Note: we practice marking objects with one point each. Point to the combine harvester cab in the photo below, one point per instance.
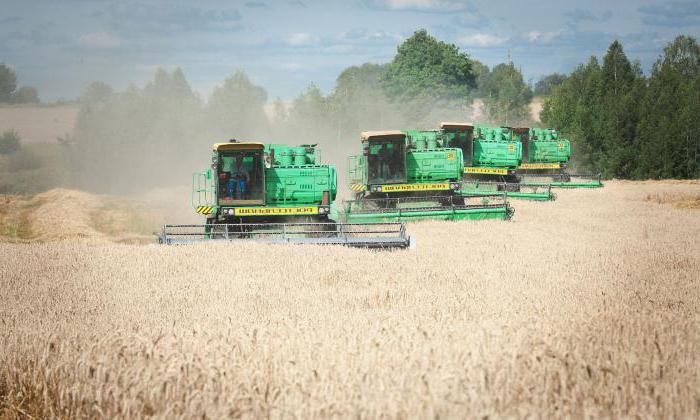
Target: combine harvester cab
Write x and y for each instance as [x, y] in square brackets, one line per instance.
[412, 175]
[491, 157]
[545, 159]
[276, 194]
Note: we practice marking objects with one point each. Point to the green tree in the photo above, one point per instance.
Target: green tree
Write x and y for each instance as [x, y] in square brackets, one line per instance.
[546, 84]
[309, 116]
[506, 95]
[576, 108]
[623, 89]
[669, 130]
[8, 83]
[236, 109]
[598, 107]
[481, 76]
[358, 100]
[427, 68]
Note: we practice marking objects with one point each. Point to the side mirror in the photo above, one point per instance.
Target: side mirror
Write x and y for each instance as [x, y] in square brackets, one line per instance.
[207, 174]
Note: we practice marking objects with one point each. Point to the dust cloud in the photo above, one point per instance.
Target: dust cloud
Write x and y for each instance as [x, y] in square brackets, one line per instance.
[156, 137]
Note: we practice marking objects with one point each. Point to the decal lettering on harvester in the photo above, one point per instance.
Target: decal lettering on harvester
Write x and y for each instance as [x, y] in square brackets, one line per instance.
[540, 166]
[414, 187]
[490, 171]
[273, 211]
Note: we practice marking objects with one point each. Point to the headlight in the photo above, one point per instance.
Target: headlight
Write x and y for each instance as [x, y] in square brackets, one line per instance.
[321, 210]
[454, 186]
[230, 212]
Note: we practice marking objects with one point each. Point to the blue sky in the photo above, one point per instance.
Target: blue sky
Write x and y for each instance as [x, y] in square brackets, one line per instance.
[60, 46]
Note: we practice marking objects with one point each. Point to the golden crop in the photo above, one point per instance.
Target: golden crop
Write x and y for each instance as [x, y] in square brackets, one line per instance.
[587, 306]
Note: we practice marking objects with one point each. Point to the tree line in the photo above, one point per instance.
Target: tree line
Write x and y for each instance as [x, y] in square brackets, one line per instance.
[629, 125]
[620, 121]
[158, 134]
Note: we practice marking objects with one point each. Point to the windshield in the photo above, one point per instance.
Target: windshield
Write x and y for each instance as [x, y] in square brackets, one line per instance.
[241, 178]
[386, 161]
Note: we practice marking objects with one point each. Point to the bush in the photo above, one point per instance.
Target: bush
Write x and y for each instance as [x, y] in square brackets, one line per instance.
[9, 142]
[26, 95]
[8, 83]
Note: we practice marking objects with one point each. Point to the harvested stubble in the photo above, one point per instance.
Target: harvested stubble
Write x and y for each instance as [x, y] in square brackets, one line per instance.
[585, 306]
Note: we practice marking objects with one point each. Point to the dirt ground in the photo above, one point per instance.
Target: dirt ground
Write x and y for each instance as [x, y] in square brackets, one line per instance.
[586, 306]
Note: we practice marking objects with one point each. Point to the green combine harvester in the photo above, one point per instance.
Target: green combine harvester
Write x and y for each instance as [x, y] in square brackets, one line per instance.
[546, 156]
[277, 194]
[414, 175]
[492, 156]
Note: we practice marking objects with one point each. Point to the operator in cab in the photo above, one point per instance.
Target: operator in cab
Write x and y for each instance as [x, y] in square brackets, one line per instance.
[238, 181]
[384, 162]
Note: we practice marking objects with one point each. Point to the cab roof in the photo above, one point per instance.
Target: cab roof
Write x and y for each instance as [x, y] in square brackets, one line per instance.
[456, 125]
[381, 135]
[242, 145]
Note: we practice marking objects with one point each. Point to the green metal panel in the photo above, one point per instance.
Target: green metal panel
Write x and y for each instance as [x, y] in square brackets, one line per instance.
[496, 154]
[496, 147]
[298, 184]
[546, 146]
[434, 165]
[426, 139]
[426, 160]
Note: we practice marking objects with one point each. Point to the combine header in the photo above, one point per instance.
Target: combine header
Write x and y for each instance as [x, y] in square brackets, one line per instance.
[545, 159]
[413, 175]
[276, 194]
[365, 235]
[492, 156]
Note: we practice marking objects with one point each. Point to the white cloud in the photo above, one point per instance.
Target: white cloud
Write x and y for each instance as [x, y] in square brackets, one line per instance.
[301, 39]
[100, 40]
[421, 5]
[292, 66]
[364, 35]
[482, 40]
[385, 35]
[542, 37]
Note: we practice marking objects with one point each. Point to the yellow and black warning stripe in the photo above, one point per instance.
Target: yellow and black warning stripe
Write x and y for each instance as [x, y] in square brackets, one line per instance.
[204, 209]
[358, 187]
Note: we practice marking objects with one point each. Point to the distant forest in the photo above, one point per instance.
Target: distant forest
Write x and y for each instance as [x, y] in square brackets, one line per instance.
[629, 125]
[621, 122]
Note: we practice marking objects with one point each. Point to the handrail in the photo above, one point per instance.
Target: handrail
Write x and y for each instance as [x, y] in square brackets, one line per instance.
[200, 187]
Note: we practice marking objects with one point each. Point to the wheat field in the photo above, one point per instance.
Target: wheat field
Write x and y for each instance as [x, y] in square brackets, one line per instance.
[584, 307]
